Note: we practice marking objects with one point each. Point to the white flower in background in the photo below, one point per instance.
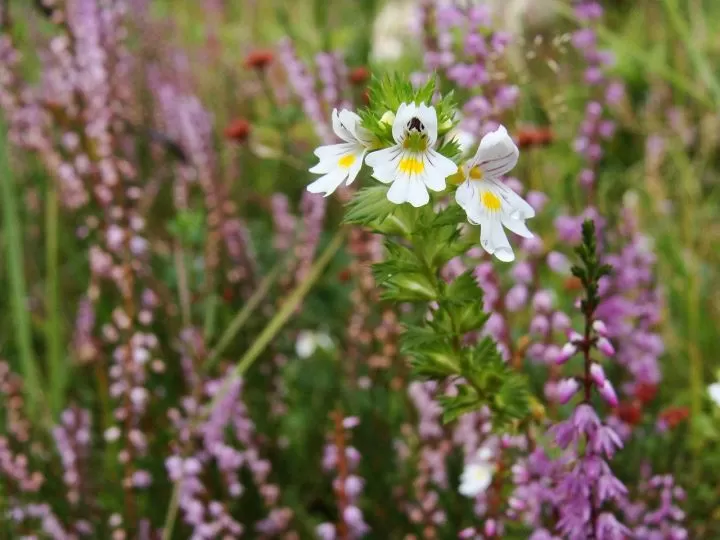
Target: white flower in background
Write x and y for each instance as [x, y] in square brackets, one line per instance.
[714, 391]
[340, 162]
[308, 342]
[411, 165]
[392, 29]
[490, 203]
[477, 475]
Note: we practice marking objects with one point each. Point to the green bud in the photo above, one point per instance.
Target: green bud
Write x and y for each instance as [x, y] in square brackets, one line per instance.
[388, 118]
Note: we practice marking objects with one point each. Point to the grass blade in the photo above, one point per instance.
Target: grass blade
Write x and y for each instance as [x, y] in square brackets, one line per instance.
[18, 289]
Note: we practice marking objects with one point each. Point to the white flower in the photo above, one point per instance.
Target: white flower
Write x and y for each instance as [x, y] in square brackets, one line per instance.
[714, 391]
[308, 342]
[340, 162]
[490, 203]
[477, 476]
[392, 29]
[411, 165]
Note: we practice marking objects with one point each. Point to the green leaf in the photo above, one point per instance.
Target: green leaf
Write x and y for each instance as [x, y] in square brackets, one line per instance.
[466, 401]
[409, 287]
[436, 361]
[369, 205]
[464, 289]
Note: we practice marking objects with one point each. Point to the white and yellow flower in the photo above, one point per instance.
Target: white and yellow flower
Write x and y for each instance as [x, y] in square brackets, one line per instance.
[340, 162]
[412, 166]
[477, 475]
[490, 203]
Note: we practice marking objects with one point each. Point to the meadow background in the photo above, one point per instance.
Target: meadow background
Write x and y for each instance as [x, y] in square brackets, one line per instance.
[156, 238]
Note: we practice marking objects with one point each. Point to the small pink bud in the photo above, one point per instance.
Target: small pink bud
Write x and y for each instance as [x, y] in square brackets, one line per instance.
[350, 422]
[597, 374]
[566, 353]
[608, 394]
[605, 347]
[600, 328]
[575, 337]
[566, 389]
[490, 528]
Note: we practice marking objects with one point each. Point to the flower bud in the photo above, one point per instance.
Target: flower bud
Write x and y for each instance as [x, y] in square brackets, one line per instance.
[566, 353]
[597, 375]
[566, 389]
[387, 118]
[608, 394]
[600, 328]
[605, 347]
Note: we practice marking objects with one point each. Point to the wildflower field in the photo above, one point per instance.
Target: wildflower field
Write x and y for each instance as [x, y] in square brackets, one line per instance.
[380, 269]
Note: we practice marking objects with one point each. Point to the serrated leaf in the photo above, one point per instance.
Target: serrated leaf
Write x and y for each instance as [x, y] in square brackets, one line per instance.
[368, 205]
[409, 287]
[415, 339]
[464, 289]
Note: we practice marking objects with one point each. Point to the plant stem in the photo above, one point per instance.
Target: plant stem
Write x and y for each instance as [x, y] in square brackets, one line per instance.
[57, 372]
[18, 289]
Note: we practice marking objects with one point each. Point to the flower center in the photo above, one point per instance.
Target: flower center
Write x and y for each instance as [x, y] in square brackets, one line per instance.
[476, 173]
[346, 161]
[490, 201]
[411, 165]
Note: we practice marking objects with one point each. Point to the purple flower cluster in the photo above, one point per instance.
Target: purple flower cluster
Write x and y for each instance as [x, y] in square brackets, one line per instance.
[664, 521]
[595, 127]
[461, 44]
[347, 485]
[304, 86]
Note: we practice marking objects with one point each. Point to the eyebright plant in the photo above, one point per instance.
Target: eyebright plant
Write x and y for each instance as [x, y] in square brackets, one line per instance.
[414, 153]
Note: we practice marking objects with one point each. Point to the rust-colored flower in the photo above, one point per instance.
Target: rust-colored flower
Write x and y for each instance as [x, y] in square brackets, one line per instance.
[645, 392]
[238, 130]
[573, 284]
[359, 75]
[673, 416]
[259, 59]
[630, 412]
[534, 136]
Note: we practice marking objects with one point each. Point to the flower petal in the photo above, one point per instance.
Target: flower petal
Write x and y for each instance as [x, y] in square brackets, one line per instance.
[428, 116]
[356, 166]
[497, 153]
[494, 240]
[437, 169]
[469, 200]
[384, 163]
[515, 206]
[517, 226]
[344, 124]
[398, 192]
[403, 115]
[417, 193]
[329, 183]
[333, 151]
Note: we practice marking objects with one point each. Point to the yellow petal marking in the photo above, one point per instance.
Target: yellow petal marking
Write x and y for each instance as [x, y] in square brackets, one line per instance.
[346, 161]
[476, 173]
[411, 165]
[490, 201]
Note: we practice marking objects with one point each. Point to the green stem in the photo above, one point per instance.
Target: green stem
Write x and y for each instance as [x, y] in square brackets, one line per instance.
[18, 289]
[243, 315]
[57, 371]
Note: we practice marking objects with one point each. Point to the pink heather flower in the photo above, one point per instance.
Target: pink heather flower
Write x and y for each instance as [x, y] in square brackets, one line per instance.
[597, 374]
[608, 394]
[606, 441]
[558, 262]
[542, 301]
[566, 353]
[605, 347]
[326, 531]
[560, 321]
[566, 389]
[516, 298]
[600, 328]
[351, 422]
[609, 528]
[491, 528]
